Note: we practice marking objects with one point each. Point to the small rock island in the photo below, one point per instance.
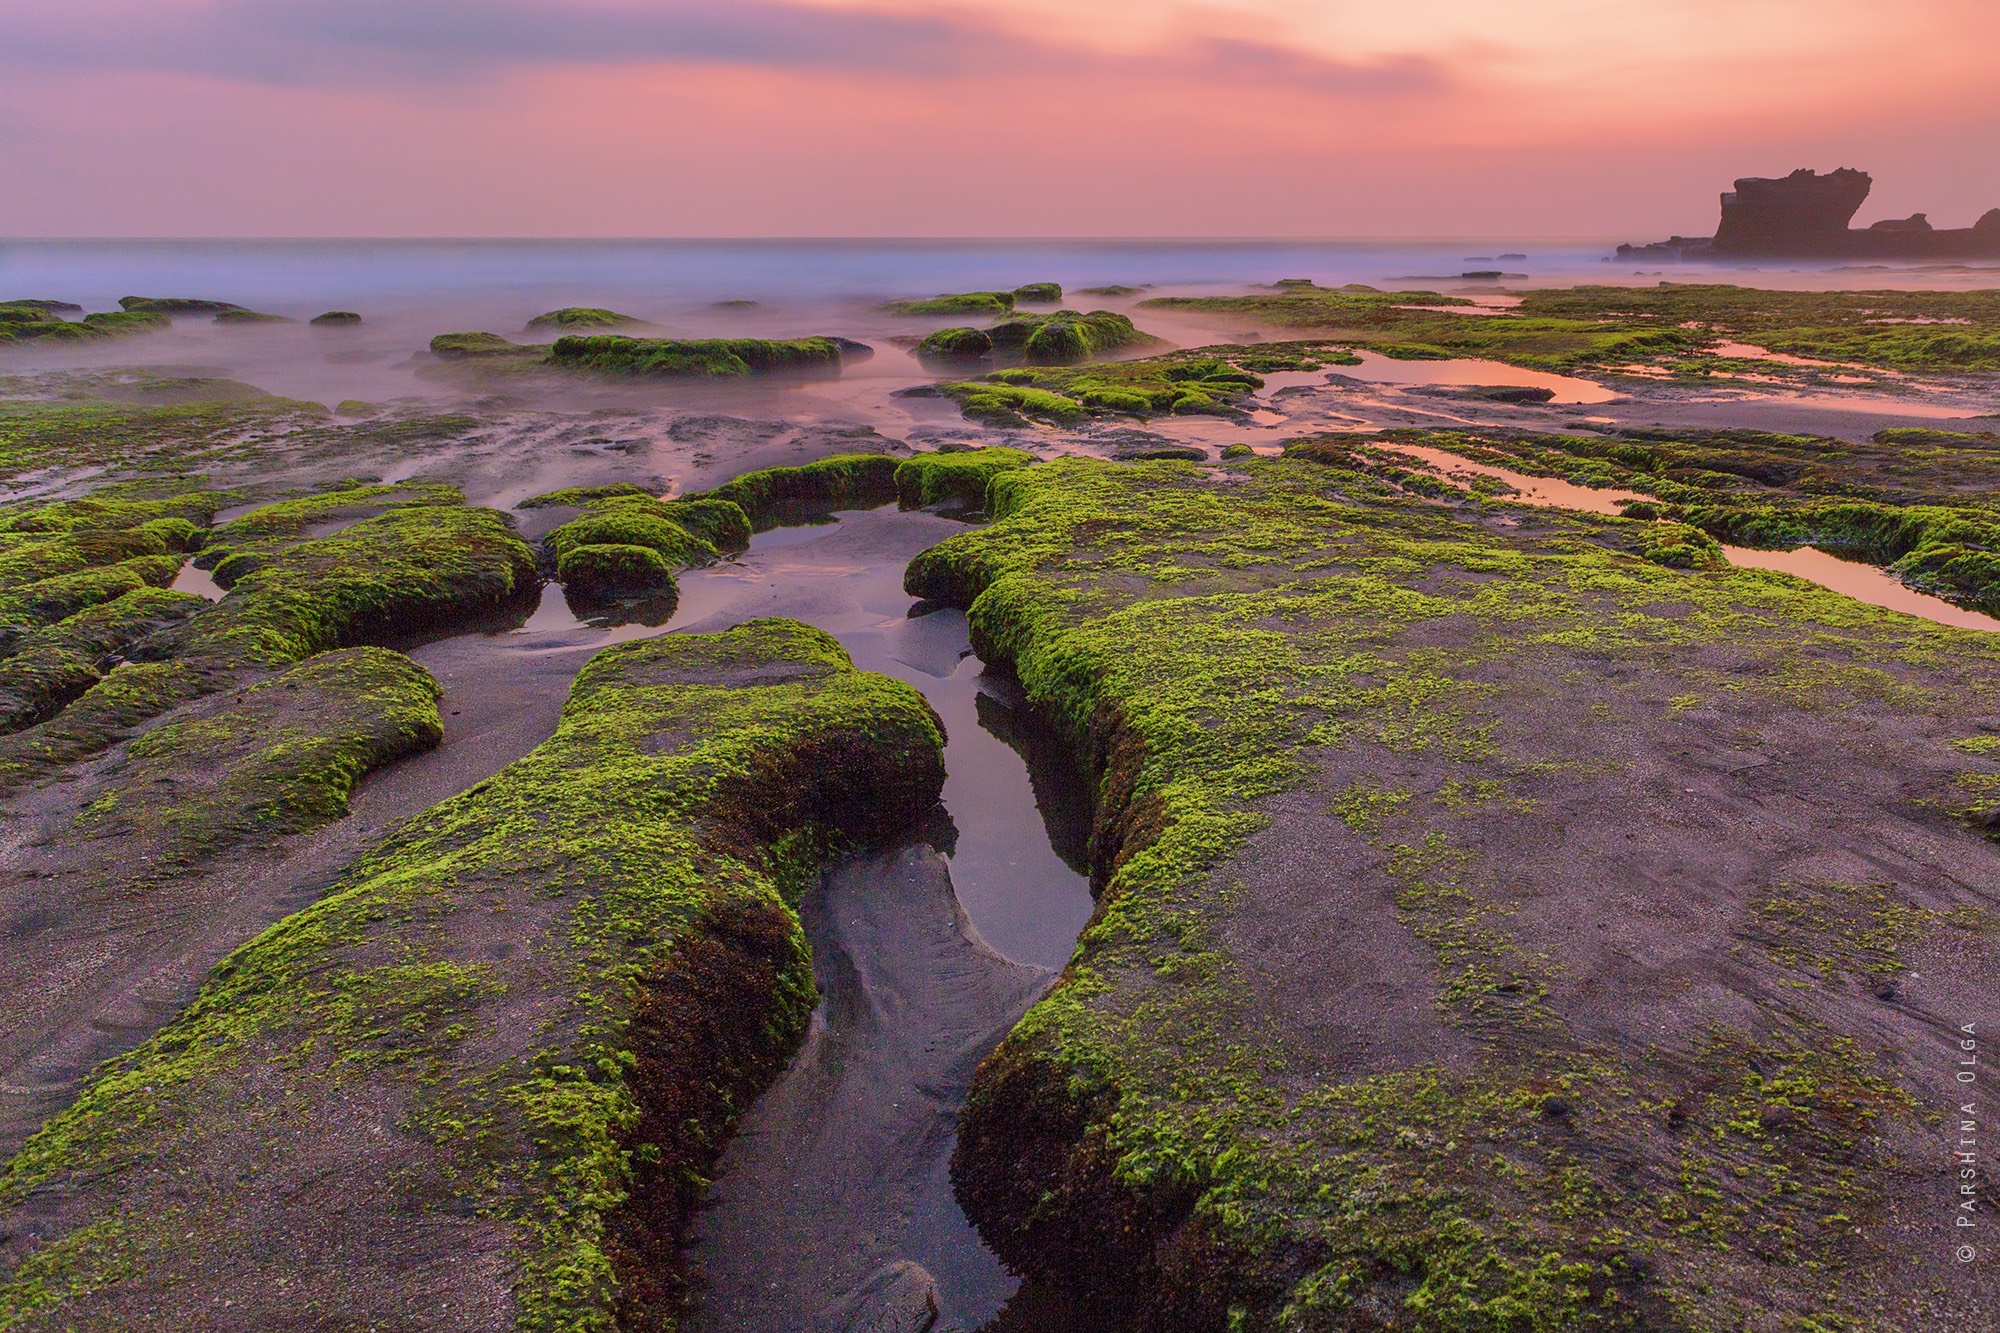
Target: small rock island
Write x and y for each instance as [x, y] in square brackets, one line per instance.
[1806, 216]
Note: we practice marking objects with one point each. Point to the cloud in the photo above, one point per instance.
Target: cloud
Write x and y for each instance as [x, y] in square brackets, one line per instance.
[348, 42]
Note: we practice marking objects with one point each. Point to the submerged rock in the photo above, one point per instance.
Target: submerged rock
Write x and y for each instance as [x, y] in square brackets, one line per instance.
[581, 317]
[900, 1298]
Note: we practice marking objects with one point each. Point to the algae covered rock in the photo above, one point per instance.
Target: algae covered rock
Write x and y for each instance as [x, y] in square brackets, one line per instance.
[694, 358]
[1039, 293]
[47, 667]
[464, 346]
[559, 1100]
[174, 305]
[1346, 744]
[1182, 383]
[784, 495]
[630, 523]
[960, 477]
[956, 344]
[336, 318]
[605, 572]
[580, 317]
[955, 303]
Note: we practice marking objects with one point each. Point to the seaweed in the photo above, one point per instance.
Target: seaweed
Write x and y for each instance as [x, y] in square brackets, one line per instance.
[959, 478]
[781, 496]
[581, 317]
[694, 358]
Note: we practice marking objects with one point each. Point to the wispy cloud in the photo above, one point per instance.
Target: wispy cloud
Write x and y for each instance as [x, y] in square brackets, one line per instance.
[345, 42]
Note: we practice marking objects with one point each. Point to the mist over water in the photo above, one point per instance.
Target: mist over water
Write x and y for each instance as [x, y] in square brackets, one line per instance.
[408, 291]
[656, 278]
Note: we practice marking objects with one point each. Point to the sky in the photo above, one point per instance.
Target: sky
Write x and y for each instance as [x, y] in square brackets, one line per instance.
[1075, 118]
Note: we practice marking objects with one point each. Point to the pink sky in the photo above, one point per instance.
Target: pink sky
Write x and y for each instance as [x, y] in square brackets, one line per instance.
[977, 117]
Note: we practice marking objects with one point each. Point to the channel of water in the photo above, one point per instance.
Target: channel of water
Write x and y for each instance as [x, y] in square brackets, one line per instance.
[833, 1202]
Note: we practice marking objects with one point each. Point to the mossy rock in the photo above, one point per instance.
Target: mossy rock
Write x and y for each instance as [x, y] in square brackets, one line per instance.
[956, 345]
[955, 303]
[772, 497]
[239, 316]
[174, 305]
[565, 1094]
[694, 358]
[1310, 701]
[466, 346]
[47, 667]
[960, 478]
[1039, 293]
[1177, 383]
[580, 317]
[720, 523]
[336, 318]
[606, 572]
[632, 523]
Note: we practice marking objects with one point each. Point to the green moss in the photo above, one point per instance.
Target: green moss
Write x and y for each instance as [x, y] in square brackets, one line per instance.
[467, 346]
[1184, 383]
[58, 559]
[413, 569]
[580, 317]
[720, 523]
[959, 478]
[1012, 405]
[568, 1091]
[281, 758]
[1407, 324]
[584, 495]
[1067, 338]
[336, 318]
[51, 665]
[775, 496]
[49, 600]
[247, 542]
[248, 317]
[1897, 330]
[1160, 1136]
[427, 567]
[956, 344]
[631, 525]
[1951, 551]
[174, 305]
[39, 321]
[696, 358]
[959, 303]
[607, 571]
[1679, 545]
[1039, 293]
[171, 437]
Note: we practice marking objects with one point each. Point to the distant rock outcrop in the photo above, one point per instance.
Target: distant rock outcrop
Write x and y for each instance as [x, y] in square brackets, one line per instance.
[1808, 216]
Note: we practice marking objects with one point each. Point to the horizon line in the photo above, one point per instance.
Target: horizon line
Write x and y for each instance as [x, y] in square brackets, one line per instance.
[804, 239]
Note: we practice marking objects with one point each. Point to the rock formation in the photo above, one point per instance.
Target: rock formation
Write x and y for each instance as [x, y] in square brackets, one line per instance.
[1807, 215]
